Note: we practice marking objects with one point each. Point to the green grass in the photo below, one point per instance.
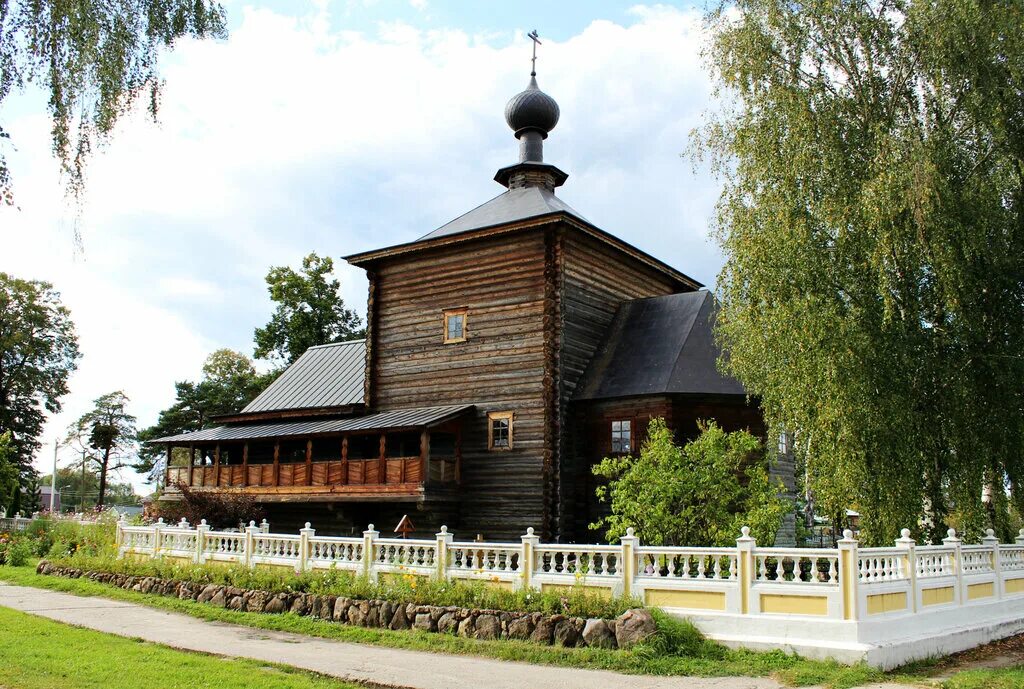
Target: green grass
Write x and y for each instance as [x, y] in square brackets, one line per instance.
[1008, 678]
[679, 649]
[36, 653]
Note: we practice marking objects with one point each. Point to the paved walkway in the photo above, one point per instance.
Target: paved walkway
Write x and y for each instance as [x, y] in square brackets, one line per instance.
[370, 664]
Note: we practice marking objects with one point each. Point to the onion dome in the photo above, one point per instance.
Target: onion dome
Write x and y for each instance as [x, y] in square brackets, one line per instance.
[532, 110]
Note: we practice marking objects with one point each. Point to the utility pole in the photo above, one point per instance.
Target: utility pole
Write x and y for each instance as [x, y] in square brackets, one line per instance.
[81, 502]
[53, 479]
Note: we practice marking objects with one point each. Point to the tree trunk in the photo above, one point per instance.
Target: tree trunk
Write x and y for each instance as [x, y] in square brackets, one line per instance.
[103, 478]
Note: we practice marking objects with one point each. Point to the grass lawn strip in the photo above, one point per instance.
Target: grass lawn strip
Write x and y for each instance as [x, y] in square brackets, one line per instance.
[672, 654]
[36, 653]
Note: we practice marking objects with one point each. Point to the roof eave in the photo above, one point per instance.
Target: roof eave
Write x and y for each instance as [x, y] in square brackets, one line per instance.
[367, 258]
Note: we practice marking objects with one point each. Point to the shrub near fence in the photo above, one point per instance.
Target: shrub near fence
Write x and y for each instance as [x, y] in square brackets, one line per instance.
[883, 605]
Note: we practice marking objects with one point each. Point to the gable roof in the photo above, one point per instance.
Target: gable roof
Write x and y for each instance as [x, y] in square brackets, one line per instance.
[324, 376]
[512, 206]
[661, 345]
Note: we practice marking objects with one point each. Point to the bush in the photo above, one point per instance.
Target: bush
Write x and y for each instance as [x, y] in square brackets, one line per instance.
[18, 553]
[220, 510]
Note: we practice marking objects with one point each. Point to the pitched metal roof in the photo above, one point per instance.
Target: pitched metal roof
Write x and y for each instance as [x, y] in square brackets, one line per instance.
[324, 376]
[661, 345]
[420, 417]
[512, 206]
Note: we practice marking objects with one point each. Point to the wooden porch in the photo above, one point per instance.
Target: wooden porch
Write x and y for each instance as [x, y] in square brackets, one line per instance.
[359, 466]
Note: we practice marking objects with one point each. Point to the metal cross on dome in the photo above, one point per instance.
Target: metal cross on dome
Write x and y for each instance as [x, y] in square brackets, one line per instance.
[536, 42]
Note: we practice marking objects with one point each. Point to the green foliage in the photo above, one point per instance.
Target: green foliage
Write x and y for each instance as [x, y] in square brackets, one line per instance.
[229, 382]
[8, 473]
[38, 351]
[872, 225]
[310, 311]
[94, 60]
[697, 495]
[106, 434]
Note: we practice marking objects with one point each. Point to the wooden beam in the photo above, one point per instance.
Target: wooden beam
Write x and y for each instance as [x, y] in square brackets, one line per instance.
[424, 457]
[167, 469]
[309, 462]
[245, 464]
[277, 462]
[216, 465]
[191, 464]
[344, 460]
[382, 471]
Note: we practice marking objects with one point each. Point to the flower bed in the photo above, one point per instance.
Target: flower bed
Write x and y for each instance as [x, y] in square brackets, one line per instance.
[626, 630]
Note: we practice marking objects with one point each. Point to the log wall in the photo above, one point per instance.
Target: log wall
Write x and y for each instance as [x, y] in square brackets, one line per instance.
[500, 366]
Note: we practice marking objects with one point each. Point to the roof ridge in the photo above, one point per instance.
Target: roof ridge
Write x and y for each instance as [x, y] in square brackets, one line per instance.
[421, 238]
[335, 344]
[689, 330]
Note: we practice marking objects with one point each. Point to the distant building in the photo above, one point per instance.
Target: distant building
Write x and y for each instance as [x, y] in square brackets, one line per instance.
[507, 352]
[44, 499]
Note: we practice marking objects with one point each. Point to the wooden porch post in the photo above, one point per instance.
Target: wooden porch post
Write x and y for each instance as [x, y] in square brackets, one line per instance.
[309, 462]
[216, 465]
[424, 457]
[382, 471]
[344, 460]
[277, 462]
[191, 464]
[245, 464]
[167, 469]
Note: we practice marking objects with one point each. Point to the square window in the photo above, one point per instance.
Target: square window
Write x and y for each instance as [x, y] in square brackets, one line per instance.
[622, 436]
[455, 321]
[499, 430]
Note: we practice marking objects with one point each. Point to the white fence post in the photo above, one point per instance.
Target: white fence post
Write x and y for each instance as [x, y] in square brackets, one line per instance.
[369, 554]
[1020, 538]
[250, 540]
[304, 536]
[745, 564]
[951, 541]
[444, 539]
[157, 528]
[118, 534]
[527, 558]
[201, 541]
[992, 542]
[849, 575]
[906, 543]
[627, 565]
[264, 526]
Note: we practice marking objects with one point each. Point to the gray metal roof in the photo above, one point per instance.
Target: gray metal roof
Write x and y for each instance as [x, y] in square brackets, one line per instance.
[512, 206]
[420, 417]
[662, 345]
[324, 376]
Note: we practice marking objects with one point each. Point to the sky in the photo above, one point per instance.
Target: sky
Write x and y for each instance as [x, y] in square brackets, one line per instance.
[339, 127]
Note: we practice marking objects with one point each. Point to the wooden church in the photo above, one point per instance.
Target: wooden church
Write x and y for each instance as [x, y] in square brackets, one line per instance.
[506, 352]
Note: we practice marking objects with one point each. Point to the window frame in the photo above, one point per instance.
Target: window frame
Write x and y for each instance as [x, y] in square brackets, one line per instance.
[499, 416]
[462, 311]
[611, 435]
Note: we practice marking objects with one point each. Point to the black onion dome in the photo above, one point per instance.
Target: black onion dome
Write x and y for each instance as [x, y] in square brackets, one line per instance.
[532, 109]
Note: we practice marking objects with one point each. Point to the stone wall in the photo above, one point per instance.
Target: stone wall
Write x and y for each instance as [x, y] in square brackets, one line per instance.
[627, 630]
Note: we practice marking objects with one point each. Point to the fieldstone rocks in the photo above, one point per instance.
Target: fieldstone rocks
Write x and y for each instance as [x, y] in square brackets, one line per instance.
[448, 623]
[521, 628]
[565, 633]
[633, 626]
[399, 620]
[629, 629]
[544, 632]
[597, 634]
[425, 622]
[487, 627]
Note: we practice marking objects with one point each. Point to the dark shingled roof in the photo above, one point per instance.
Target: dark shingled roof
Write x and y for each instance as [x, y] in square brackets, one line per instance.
[402, 418]
[325, 376]
[512, 206]
[662, 345]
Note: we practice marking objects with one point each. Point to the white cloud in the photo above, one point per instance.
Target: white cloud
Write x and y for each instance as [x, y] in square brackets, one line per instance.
[292, 137]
